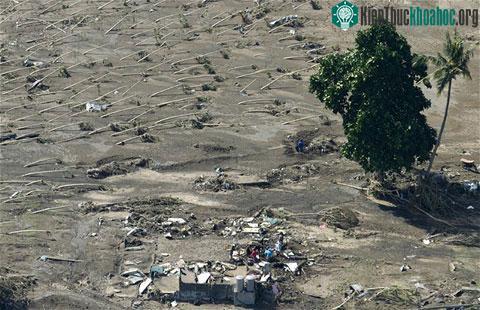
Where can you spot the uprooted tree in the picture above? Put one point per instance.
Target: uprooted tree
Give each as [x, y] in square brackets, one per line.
[373, 87]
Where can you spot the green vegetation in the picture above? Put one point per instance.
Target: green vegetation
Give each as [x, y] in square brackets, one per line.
[373, 87]
[452, 63]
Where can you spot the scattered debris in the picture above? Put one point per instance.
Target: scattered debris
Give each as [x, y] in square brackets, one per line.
[215, 184]
[144, 285]
[117, 168]
[405, 267]
[452, 267]
[399, 296]
[469, 165]
[85, 126]
[342, 218]
[282, 21]
[8, 136]
[34, 63]
[289, 174]
[94, 106]
[315, 4]
[45, 258]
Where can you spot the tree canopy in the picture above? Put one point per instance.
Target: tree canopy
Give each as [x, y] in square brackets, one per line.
[373, 87]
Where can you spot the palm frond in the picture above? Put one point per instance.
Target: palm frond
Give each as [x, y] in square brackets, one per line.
[453, 62]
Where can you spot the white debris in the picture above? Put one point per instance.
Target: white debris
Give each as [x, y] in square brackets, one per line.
[471, 186]
[177, 220]
[282, 20]
[32, 63]
[133, 272]
[251, 230]
[405, 267]
[137, 232]
[203, 277]
[292, 267]
[144, 285]
[94, 106]
[134, 279]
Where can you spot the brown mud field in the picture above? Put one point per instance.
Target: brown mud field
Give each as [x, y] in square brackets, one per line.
[180, 120]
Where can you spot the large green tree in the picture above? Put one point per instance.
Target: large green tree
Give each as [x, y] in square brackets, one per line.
[373, 87]
[452, 63]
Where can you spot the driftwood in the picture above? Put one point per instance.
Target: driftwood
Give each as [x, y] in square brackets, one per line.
[59, 259]
[116, 24]
[37, 162]
[48, 209]
[194, 77]
[73, 138]
[245, 88]
[195, 57]
[188, 68]
[344, 302]
[286, 74]
[255, 72]
[256, 100]
[300, 119]
[164, 90]
[27, 231]
[66, 186]
[105, 4]
[43, 172]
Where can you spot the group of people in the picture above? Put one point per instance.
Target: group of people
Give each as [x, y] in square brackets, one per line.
[254, 252]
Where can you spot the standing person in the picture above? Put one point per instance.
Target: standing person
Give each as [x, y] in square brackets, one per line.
[300, 146]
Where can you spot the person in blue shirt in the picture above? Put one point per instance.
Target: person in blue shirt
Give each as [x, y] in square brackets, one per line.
[300, 146]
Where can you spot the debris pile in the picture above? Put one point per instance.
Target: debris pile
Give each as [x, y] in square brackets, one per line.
[343, 218]
[266, 262]
[313, 141]
[214, 148]
[95, 106]
[117, 168]
[290, 174]
[320, 146]
[282, 20]
[216, 184]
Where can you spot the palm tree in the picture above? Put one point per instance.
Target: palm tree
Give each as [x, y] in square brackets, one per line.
[453, 63]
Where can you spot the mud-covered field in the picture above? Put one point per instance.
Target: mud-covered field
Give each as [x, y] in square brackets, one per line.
[121, 114]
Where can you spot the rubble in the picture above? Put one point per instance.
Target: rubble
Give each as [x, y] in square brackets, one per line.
[282, 20]
[144, 285]
[315, 143]
[215, 184]
[8, 136]
[117, 168]
[469, 165]
[34, 63]
[255, 268]
[95, 106]
[342, 218]
[290, 174]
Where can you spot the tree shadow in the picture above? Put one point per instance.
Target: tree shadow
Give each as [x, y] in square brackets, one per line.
[436, 204]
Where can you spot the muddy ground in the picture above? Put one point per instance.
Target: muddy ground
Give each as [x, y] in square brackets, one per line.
[194, 73]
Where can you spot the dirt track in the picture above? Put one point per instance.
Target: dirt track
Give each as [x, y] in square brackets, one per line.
[103, 46]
